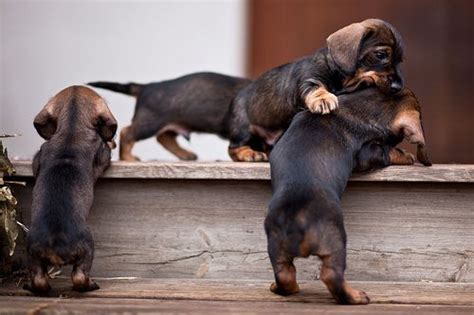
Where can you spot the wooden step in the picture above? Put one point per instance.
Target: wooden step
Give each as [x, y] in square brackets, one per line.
[22, 305]
[237, 296]
[205, 220]
[435, 293]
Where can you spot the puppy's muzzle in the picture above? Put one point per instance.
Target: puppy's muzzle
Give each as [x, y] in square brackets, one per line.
[396, 81]
[396, 86]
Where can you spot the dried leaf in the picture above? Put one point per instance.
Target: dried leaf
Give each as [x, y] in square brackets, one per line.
[11, 228]
[7, 201]
[6, 165]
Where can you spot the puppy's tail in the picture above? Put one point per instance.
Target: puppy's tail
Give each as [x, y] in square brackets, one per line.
[133, 89]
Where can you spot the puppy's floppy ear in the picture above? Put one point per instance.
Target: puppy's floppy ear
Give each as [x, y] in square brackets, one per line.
[46, 121]
[344, 44]
[106, 123]
[409, 122]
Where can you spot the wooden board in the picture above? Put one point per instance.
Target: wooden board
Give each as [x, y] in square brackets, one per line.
[261, 171]
[258, 291]
[23, 305]
[214, 229]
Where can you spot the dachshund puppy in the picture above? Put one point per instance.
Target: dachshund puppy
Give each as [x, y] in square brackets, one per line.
[79, 129]
[310, 167]
[197, 102]
[361, 54]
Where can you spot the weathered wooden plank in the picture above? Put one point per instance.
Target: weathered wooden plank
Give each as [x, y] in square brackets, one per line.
[214, 229]
[258, 291]
[30, 305]
[261, 171]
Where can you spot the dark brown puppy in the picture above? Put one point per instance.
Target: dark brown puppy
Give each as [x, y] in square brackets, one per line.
[310, 167]
[79, 129]
[366, 53]
[197, 102]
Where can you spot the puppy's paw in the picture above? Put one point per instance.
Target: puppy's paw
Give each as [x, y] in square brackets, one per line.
[284, 292]
[401, 157]
[91, 285]
[246, 154]
[129, 158]
[321, 101]
[185, 155]
[358, 298]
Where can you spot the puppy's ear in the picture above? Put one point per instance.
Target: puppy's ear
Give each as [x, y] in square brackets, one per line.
[409, 123]
[344, 44]
[106, 123]
[46, 121]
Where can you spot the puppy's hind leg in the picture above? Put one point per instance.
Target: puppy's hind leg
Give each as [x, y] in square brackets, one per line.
[39, 277]
[81, 280]
[127, 141]
[332, 251]
[240, 136]
[167, 139]
[282, 262]
[285, 273]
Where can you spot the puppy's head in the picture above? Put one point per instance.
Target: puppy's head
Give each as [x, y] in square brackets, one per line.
[76, 108]
[368, 53]
[406, 123]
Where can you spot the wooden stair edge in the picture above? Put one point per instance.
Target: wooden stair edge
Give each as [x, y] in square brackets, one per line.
[413, 293]
[38, 305]
[453, 173]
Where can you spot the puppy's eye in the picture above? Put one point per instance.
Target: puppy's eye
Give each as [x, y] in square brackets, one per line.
[381, 55]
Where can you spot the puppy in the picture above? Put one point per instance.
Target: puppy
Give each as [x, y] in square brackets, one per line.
[310, 167]
[79, 129]
[361, 54]
[197, 102]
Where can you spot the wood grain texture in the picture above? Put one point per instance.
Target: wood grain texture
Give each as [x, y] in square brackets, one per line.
[214, 229]
[30, 305]
[261, 171]
[258, 291]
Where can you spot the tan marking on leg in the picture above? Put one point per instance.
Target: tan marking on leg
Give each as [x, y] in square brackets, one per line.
[286, 280]
[39, 283]
[126, 145]
[82, 282]
[321, 101]
[339, 288]
[168, 140]
[247, 154]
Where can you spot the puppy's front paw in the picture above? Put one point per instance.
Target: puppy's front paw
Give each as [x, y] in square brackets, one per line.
[401, 157]
[321, 101]
[246, 154]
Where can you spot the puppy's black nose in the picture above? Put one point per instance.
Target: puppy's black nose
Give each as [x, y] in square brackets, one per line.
[395, 86]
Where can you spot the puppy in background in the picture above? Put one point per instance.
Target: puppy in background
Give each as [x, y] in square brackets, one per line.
[79, 129]
[310, 167]
[198, 102]
[362, 54]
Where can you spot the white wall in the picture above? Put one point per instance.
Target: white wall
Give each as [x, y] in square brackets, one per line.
[48, 45]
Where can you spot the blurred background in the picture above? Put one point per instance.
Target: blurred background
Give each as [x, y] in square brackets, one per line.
[47, 45]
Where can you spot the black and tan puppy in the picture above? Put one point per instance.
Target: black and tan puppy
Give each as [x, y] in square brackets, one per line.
[366, 53]
[197, 102]
[79, 129]
[310, 167]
